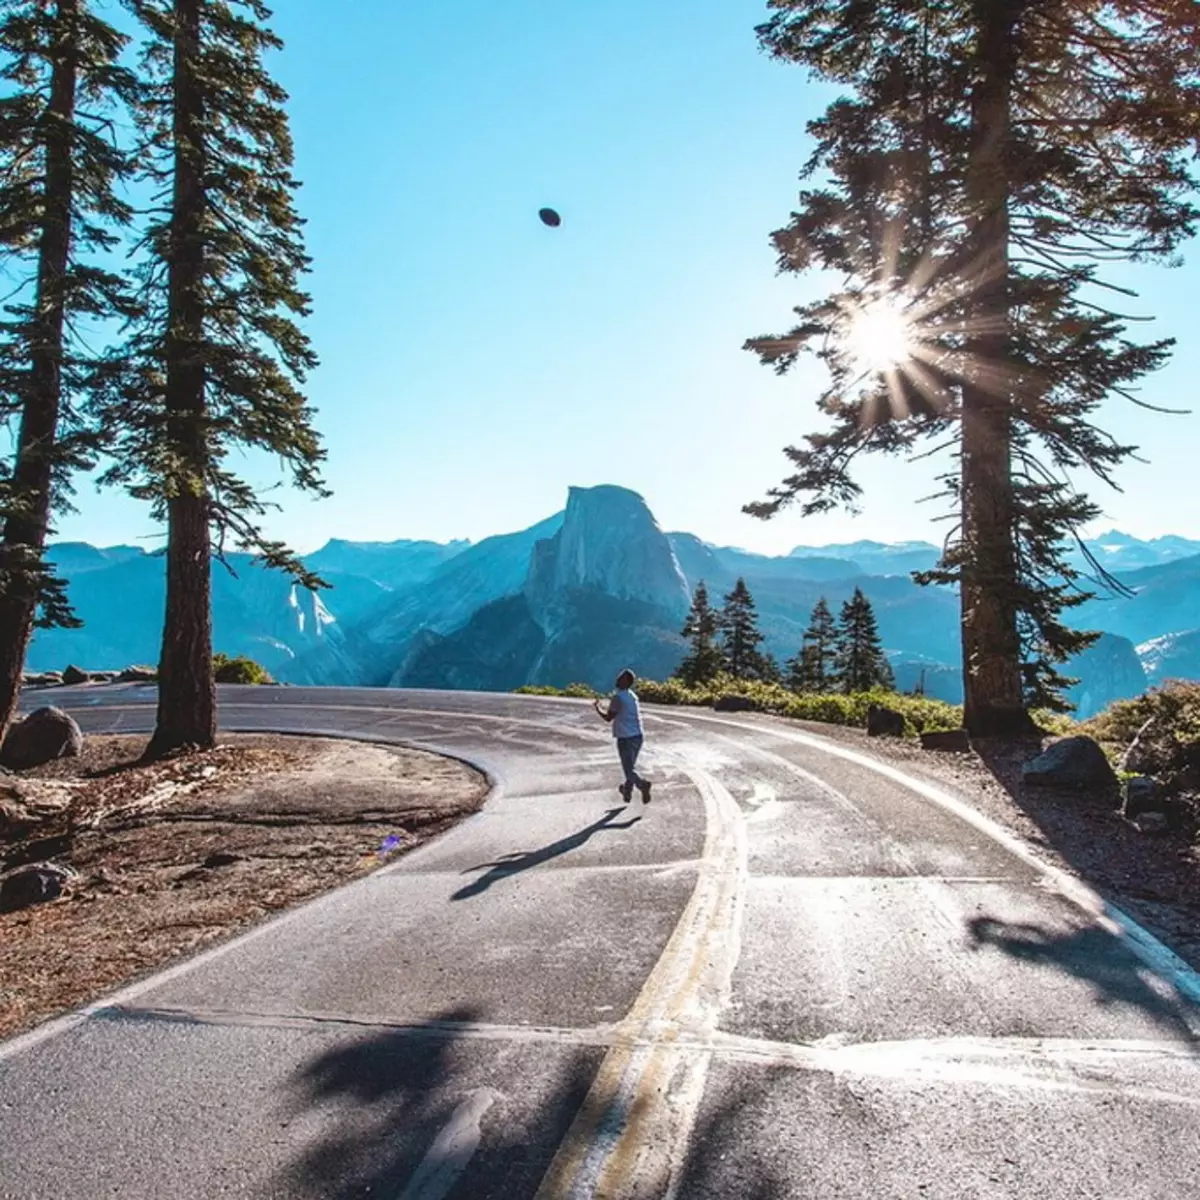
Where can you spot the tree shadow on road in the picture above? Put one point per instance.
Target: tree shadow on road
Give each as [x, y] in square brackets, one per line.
[526, 860]
[1155, 880]
[1099, 958]
[431, 1110]
[724, 1157]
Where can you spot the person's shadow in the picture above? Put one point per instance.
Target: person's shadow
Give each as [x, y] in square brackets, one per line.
[525, 860]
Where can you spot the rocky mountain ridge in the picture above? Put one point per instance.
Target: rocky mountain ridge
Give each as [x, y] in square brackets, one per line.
[584, 592]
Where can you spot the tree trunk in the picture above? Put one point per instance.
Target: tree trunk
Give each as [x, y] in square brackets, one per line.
[187, 702]
[994, 701]
[27, 526]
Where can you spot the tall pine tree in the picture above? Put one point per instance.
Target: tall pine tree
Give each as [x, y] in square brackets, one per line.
[859, 661]
[218, 360]
[813, 670]
[704, 659]
[986, 158]
[740, 636]
[60, 213]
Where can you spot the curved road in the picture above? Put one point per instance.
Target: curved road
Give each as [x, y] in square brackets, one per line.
[796, 974]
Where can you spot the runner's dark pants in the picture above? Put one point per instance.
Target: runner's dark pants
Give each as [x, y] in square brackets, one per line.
[629, 748]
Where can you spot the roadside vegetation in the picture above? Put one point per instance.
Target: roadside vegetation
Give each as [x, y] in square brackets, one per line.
[921, 714]
[838, 673]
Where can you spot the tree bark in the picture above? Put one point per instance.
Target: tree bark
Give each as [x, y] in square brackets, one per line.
[27, 526]
[994, 702]
[187, 702]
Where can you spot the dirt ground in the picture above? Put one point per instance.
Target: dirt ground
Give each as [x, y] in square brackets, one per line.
[1156, 880]
[172, 856]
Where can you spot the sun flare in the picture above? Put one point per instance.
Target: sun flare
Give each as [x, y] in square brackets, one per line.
[880, 337]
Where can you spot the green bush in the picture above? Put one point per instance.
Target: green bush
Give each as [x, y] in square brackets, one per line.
[1175, 707]
[921, 714]
[239, 670]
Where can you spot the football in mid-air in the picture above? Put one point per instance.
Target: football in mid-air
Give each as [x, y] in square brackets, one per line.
[550, 217]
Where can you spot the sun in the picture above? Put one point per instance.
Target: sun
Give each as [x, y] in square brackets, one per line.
[880, 337]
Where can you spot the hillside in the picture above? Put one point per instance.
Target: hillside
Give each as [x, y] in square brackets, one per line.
[587, 590]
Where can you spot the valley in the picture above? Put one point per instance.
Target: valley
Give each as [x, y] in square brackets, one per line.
[582, 593]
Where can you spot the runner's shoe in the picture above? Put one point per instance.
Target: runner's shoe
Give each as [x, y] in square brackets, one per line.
[626, 790]
[644, 788]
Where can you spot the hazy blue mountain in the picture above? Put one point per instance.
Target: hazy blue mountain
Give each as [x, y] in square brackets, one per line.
[378, 642]
[392, 564]
[586, 591]
[1172, 656]
[255, 611]
[877, 558]
[603, 590]
[1166, 599]
[1119, 552]
[74, 558]
[1108, 670]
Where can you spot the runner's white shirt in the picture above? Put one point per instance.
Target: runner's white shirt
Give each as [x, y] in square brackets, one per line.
[628, 719]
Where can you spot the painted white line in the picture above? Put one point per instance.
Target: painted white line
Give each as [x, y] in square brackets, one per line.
[1161, 959]
[452, 1149]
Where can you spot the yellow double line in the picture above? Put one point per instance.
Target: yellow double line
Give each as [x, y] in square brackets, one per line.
[629, 1138]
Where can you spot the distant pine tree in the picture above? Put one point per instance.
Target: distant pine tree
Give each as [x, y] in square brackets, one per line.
[60, 213]
[740, 636]
[860, 661]
[704, 660]
[813, 669]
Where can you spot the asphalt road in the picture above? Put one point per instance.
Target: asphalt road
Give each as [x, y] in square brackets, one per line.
[794, 974]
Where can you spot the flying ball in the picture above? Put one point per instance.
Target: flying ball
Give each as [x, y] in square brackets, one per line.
[549, 217]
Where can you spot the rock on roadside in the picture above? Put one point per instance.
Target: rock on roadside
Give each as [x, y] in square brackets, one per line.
[44, 735]
[1072, 762]
[1146, 807]
[949, 741]
[884, 722]
[34, 883]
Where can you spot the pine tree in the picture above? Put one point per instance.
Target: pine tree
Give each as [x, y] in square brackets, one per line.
[859, 660]
[704, 660]
[812, 670]
[987, 157]
[60, 212]
[740, 637]
[218, 361]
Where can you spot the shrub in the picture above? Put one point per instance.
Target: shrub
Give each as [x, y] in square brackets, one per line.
[580, 691]
[921, 714]
[239, 670]
[1175, 707]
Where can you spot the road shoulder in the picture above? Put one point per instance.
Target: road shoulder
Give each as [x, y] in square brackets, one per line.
[169, 859]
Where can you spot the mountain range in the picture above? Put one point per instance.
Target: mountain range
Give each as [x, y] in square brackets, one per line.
[587, 591]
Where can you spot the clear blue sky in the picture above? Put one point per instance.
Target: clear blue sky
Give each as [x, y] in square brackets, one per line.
[475, 364]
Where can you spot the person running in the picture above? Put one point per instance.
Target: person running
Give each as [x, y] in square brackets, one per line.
[625, 715]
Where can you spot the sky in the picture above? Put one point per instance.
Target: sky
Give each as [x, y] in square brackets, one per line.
[475, 364]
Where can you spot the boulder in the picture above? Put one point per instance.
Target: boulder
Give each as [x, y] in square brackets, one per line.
[731, 702]
[1144, 799]
[1153, 824]
[74, 674]
[34, 883]
[221, 858]
[138, 675]
[1141, 795]
[952, 741]
[44, 735]
[1072, 762]
[884, 722]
